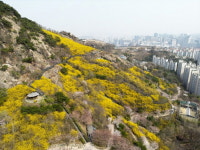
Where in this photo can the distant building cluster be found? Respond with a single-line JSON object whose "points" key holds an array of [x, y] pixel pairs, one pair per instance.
{"points": [[189, 73], [158, 40], [188, 53], [165, 63]]}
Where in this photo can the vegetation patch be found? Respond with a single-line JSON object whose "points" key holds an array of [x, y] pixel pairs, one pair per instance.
{"points": [[7, 50], [64, 71], [41, 109], [28, 60], [4, 68], [6, 23], [74, 47], [25, 39], [8, 10], [3, 95]]}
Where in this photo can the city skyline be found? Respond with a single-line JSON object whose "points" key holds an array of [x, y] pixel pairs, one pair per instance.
{"points": [[113, 17]]}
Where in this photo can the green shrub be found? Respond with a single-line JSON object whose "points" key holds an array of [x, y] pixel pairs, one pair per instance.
{"points": [[49, 40], [33, 34], [162, 100], [140, 144], [61, 98], [15, 74], [36, 110], [63, 46], [26, 42], [64, 71], [103, 77], [22, 69], [52, 56], [4, 68], [11, 49], [150, 118], [24, 38], [3, 95], [57, 39], [30, 25], [41, 109], [6, 9], [4, 50], [122, 130], [6, 23], [57, 107], [127, 117], [7, 50], [121, 126], [152, 78], [28, 60]]}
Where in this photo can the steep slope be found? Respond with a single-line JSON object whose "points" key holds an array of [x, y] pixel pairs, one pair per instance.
{"points": [[91, 87], [26, 49]]}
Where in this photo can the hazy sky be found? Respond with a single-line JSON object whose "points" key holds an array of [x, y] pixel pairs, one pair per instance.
{"points": [[113, 17]]}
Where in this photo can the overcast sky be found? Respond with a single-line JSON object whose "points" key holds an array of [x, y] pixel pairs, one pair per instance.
{"points": [[113, 17]]}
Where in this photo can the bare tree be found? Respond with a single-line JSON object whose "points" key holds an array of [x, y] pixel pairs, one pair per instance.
{"points": [[120, 143], [101, 137]]}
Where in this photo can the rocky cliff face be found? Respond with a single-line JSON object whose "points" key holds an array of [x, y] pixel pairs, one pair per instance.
{"points": [[25, 50]]}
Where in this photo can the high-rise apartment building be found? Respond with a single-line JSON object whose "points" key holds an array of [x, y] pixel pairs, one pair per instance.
{"points": [[180, 68]]}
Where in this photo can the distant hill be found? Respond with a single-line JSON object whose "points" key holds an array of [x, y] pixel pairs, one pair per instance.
{"points": [[98, 44]]}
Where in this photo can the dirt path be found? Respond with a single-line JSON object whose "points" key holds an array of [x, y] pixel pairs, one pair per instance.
{"points": [[171, 98], [74, 146], [75, 126], [175, 97]]}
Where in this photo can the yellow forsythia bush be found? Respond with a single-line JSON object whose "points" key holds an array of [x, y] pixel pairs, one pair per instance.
{"points": [[109, 106], [45, 85], [75, 48], [27, 131]]}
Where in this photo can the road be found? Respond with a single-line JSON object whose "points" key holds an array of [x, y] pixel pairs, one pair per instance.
{"points": [[171, 98]]}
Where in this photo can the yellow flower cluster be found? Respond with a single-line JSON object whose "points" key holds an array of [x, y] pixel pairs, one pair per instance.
{"points": [[136, 71], [155, 97], [28, 132], [136, 78], [164, 86], [123, 94], [70, 70], [69, 83], [45, 85], [102, 61], [135, 128], [140, 131], [14, 101], [97, 69], [75, 48], [150, 135], [110, 107]]}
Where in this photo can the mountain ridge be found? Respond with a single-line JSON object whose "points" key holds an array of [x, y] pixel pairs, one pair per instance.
{"points": [[94, 86]]}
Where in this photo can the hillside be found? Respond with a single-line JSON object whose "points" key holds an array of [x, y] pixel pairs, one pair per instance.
{"points": [[84, 94]]}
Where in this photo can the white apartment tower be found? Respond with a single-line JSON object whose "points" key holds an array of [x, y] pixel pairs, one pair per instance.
{"points": [[154, 59], [187, 75], [180, 68], [175, 66], [171, 65], [193, 81], [197, 91]]}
